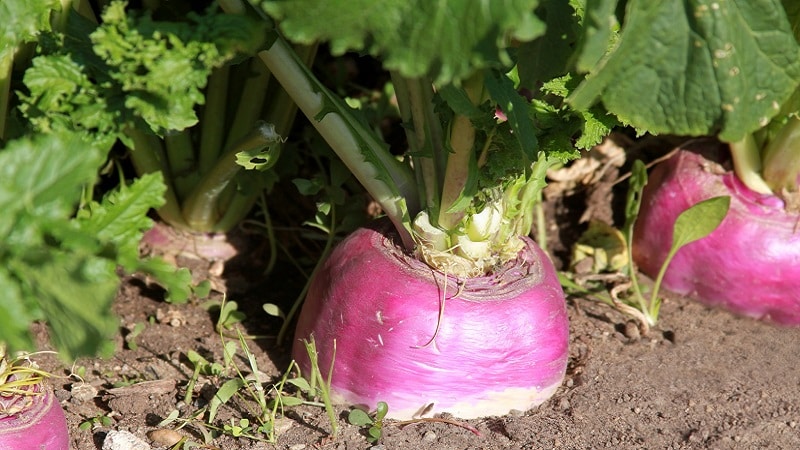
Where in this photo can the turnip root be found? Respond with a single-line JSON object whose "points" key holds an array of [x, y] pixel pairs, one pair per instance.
{"points": [[38, 425], [749, 265], [411, 336]]}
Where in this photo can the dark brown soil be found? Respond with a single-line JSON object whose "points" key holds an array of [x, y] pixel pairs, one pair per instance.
{"points": [[701, 379]]}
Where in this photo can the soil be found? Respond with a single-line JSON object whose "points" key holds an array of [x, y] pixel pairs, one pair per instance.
{"points": [[702, 378]]}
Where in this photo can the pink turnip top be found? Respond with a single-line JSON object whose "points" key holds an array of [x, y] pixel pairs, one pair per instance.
{"points": [[750, 264], [502, 335], [40, 426]]}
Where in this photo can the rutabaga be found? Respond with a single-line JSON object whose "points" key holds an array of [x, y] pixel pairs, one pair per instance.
{"points": [[749, 265], [427, 342]]}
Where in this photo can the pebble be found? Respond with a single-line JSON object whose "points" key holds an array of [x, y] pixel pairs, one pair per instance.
{"points": [[83, 392], [124, 440], [164, 437], [429, 436], [632, 330]]}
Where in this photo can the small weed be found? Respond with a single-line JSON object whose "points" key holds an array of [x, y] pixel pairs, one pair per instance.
{"points": [[625, 293], [263, 407], [130, 339], [97, 421], [373, 424]]}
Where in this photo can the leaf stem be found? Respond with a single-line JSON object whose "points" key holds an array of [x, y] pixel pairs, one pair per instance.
{"points": [[459, 160], [201, 208], [747, 164], [781, 164], [212, 134], [424, 134], [181, 162], [6, 64], [389, 181], [148, 156]]}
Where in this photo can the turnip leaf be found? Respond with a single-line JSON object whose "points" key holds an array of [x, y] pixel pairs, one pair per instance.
{"points": [[446, 41], [697, 67], [15, 316], [23, 20]]}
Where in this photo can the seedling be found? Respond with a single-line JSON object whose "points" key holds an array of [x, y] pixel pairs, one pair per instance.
{"points": [[696, 222], [373, 424]]}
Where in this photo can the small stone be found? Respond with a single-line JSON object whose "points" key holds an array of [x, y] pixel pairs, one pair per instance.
{"points": [[632, 330], [297, 447], [429, 436], [124, 440], [83, 392], [164, 437], [173, 317]]}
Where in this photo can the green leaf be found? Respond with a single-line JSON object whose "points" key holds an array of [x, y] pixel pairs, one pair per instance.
{"points": [[176, 281], [273, 310], [502, 90], [75, 293], [359, 418], [548, 56], [697, 67], [15, 316], [699, 221], [599, 25], [23, 20], [301, 383], [381, 411], [43, 177], [633, 200], [224, 393], [121, 217], [446, 41]]}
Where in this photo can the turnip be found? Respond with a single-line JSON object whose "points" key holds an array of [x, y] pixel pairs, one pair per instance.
{"points": [[411, 336], [31, 417], [446, 305], [750, 264], [730, 70]]}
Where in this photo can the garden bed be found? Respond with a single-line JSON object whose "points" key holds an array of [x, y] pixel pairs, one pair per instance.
{"points": [[702, 378]]}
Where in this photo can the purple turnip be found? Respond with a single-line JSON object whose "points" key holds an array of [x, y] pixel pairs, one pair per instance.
{"points": [[749, 265], [33, 420], [499, 343]]}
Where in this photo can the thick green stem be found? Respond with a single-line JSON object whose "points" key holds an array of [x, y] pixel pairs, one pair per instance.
{"points": [[6, 64], [385, 178], [424, 134], [148, 156], [747, 164], [781, 164], [250, 103], [212, 134], [201, 210], [459, 160], [182, 162]]}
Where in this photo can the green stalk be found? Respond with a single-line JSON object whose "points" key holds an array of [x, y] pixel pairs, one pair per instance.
{"points": [[6, 64], [212, 134], [389, 182], [239, 204], [148, 156], [424, 134], [201, 208], [182, 162], [781, 164], [747, 164], [250, 103], [462, 142]]}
